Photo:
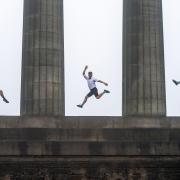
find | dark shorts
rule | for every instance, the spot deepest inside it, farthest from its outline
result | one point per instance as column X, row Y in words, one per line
column 94, row 92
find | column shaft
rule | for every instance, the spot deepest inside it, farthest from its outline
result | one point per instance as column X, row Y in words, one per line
column 143, row 59
column 42, row 91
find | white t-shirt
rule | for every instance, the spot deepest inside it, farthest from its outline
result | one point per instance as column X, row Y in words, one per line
column 91, row 82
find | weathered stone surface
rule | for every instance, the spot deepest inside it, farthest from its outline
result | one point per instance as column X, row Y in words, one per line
column 92, row 168
column 143, row 59
column 107, row 148
column 72, row 136
column 88, row 122
column 42, row 91
column 91, row 135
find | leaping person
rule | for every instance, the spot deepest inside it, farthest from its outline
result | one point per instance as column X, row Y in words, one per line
column 2, row 95
column 92, row 86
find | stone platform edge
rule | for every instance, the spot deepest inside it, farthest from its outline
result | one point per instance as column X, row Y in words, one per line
column 93, row 122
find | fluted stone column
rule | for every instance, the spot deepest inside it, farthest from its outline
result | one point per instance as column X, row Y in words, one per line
column 143, row 59
column 42, row 91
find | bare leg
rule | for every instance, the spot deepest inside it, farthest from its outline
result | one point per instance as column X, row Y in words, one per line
column 84, row 102
column 2, row 95
column 100, row 95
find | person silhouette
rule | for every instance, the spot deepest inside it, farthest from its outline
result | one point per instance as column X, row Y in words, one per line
column 2, row 95
column 92, row 86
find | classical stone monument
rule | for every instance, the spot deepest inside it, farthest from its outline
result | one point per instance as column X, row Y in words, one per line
column 43, row 144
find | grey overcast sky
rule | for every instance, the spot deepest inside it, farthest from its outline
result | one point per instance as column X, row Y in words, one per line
column 93, row 36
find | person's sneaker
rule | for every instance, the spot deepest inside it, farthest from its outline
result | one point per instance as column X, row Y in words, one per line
column 80, row 106
column 106, row 91
column 5, row 100
column 175, row 82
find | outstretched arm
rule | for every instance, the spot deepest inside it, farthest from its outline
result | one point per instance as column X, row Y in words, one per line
column 106, row 84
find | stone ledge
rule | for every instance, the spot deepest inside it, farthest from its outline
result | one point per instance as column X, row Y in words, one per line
column 136, row 161
column 89, row 122
column 108, row 148
column 90, row 135
column 77, row 136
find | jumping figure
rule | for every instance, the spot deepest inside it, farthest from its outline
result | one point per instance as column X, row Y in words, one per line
column 92, row 86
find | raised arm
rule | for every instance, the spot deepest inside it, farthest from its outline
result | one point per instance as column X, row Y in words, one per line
column 106, row 84
column 84, row 72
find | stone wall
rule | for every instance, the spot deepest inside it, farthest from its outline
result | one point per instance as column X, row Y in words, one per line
column 89, row 148
column 90, row 168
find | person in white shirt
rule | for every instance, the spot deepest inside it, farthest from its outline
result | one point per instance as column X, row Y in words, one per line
column 92, row 86
column 2, row 95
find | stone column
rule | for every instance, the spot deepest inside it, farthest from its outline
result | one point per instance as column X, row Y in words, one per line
column 143, row 59
column 42, row 91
